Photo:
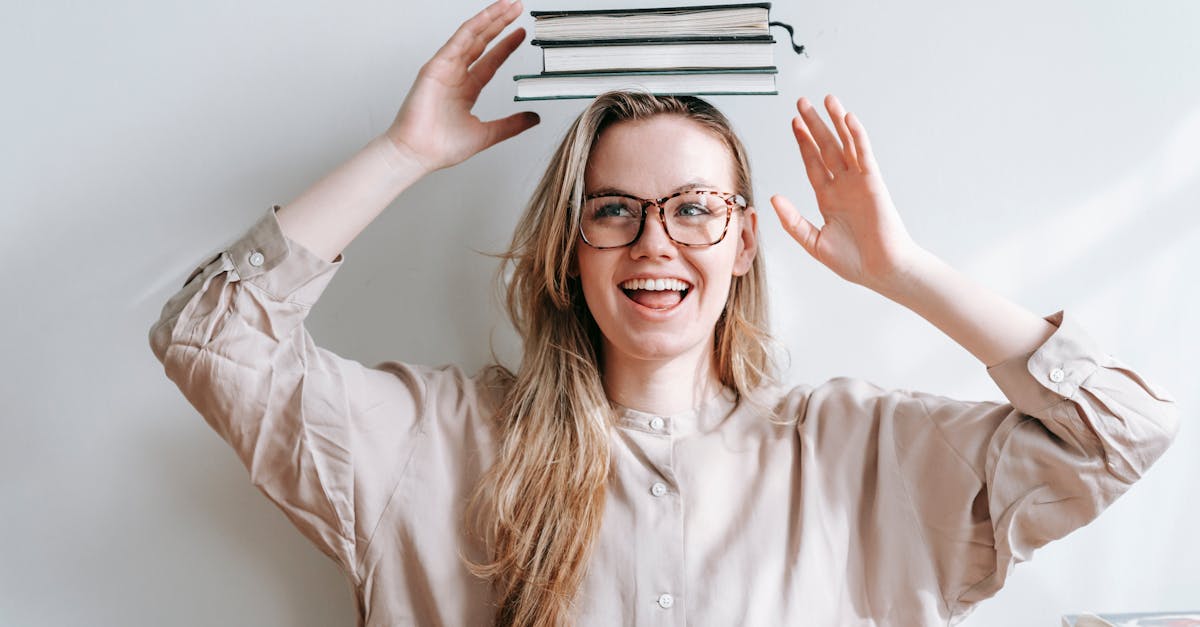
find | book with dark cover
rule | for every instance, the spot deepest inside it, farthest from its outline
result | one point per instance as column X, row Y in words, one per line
column 746, row 19
column 702, row 82
column 693, row 8
column 633, row 41
column 650, row 54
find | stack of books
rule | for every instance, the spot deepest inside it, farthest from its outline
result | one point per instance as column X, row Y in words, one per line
column 698, row 50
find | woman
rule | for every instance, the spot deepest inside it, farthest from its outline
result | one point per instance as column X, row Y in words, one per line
column 643, row 465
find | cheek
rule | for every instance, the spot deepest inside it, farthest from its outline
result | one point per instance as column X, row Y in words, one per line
column 719, row 269
column 720, row 279
column 593, row 274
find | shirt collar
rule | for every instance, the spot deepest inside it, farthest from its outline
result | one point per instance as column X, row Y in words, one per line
column 705, row 417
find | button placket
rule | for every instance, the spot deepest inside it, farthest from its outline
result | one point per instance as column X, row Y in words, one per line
column 660, row 563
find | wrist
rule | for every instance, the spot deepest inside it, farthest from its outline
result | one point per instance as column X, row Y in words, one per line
column 400, row 158
column 907, row 276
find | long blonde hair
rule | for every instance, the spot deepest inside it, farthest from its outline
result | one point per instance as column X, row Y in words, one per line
column 538, row 509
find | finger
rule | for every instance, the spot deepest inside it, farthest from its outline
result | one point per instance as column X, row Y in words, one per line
column 830, row 150
column 468, row 42
column 818, row 174
column 485, row 68
column 795, row 224
column 502, row 129
column 866, row 156
column 838, row 114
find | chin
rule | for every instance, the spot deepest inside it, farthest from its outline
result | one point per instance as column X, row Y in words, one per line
column 634, row 332
column 654, row 346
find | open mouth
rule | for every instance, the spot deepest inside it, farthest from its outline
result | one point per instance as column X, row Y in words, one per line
column 656, row 294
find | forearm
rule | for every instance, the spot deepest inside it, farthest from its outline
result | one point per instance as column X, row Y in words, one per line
column 326, row 217
column 990, row 327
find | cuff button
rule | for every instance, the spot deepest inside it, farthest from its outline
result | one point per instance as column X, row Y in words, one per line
column 256, row 259
column 1056, row 375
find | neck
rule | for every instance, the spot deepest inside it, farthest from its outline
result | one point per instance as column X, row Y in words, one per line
column 661, row 386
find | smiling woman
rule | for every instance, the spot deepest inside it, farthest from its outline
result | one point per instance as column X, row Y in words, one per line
column 601, row 330
column 643, row 465
column 650, row 334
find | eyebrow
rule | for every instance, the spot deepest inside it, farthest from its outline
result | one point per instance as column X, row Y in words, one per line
column 691, row 184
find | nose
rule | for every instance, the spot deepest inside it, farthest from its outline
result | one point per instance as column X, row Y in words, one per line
column 654, row 241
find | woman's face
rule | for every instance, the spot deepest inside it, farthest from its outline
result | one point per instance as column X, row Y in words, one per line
column 653, row 158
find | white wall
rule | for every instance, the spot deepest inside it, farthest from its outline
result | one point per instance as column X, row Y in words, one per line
column 1049, row 150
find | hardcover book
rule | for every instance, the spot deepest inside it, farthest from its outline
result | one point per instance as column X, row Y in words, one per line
column 703, row 82
column 748, row 19
column 648, row 54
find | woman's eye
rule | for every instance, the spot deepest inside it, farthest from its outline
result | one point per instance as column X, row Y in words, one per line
column 692, row 210
column 615, row 210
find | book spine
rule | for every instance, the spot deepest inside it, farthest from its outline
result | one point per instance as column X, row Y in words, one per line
column 712, row 8
column 696, row 71
column 620, row 41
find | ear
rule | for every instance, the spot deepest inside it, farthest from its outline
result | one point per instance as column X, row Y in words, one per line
column 747, row 242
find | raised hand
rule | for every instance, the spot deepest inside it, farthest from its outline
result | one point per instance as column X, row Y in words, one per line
column 863, row 239
column 435, row 124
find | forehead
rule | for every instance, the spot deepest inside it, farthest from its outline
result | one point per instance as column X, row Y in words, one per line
column 655, row 156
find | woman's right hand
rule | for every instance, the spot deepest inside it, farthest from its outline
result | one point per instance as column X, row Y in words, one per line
column 435, row 125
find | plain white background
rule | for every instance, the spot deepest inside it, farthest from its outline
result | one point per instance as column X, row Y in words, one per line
column 1051, row 151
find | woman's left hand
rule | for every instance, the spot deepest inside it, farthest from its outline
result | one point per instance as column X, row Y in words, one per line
column 863, row 239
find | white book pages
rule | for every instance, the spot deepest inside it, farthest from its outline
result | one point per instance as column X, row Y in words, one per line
column 666, row 24
column 657, row 56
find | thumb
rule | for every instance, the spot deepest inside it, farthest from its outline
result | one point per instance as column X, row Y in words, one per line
column 502, row 129
column 795, row 224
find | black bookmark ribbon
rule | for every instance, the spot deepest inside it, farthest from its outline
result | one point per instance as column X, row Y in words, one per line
column 791, row 37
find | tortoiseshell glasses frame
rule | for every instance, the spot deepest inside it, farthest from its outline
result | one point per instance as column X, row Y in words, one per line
column 732, row 200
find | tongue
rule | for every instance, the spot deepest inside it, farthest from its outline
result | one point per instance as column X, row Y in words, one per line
column 660, row 299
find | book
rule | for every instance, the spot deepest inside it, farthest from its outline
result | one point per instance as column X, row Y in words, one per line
column 1137, row 619
column 702, row 82
column 691, row 50
column 596, row 55
column 745, row 20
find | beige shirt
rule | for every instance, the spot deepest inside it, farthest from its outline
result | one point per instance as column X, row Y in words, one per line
column 875, row 506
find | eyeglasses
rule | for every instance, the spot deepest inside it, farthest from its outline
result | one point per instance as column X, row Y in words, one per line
column 693, row 217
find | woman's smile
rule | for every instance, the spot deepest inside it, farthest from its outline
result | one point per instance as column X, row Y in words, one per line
column 659, row 294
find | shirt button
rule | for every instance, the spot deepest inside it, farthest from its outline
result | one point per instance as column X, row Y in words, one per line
column 657, row 423
column 1056, row 375
column 256, row 259
column 665, row 601
column 658, row 489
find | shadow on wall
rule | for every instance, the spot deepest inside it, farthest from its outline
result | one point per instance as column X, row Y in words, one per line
column 1120, row 234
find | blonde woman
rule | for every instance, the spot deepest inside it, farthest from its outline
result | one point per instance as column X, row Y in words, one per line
column 643, row 466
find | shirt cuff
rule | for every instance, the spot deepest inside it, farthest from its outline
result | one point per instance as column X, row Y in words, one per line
column 278, row 265
column 1036, row 381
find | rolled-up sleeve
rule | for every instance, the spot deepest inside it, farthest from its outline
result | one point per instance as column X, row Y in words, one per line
column 992, row 482
column 324, row 438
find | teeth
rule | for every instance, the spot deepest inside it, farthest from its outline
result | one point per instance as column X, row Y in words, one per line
column 656, row 285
